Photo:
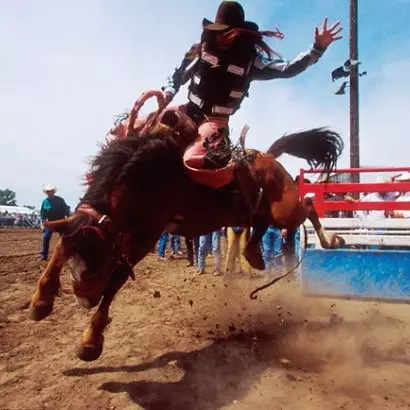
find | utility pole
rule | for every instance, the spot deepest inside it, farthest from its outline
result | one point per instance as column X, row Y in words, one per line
column 354, row 93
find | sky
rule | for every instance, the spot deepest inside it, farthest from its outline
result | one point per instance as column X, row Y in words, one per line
column 67, row 68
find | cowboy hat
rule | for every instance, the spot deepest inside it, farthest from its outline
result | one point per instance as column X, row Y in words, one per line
column 230, row 14
column 49, row 188
column 405, row 176
column 381, row 179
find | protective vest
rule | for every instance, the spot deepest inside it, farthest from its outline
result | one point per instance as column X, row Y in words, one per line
column 221, row 78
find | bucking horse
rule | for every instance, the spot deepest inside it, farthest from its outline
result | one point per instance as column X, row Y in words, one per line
column 138, row 186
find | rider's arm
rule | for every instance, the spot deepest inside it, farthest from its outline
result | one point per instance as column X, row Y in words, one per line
column 267, row 69
column 184, row 72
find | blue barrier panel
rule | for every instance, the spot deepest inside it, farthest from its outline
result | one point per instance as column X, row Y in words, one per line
column 364, row 274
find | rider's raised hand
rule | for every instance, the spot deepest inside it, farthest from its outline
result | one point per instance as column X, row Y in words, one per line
column 326, row 36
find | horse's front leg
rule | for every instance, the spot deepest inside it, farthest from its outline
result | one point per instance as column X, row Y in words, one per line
column 92, row 340
column 327, row 241
column 48, row 285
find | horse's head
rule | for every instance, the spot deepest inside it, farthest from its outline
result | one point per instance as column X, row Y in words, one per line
column 92, row 254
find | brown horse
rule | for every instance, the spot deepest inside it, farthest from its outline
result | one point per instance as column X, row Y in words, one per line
column 139, row 188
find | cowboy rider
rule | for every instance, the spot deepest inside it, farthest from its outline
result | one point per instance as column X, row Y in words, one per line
column 220, row 68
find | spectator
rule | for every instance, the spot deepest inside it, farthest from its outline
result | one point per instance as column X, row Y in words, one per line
column 404, row 197
column 376, row 197
column 52, row 208
column 162, row 245
column 176, row 248
column 272, row 248
column 208, row 243
column 237, row 237
column 192, row 247
column 175, row 245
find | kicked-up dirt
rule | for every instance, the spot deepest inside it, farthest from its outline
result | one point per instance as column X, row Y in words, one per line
column 181, row 341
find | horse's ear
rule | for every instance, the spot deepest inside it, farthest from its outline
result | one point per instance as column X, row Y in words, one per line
column 59, row 225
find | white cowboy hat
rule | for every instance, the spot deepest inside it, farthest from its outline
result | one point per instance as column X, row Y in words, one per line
column 49, row 188
column 405, row 176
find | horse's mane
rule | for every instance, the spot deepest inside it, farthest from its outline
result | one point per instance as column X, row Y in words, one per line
column 129, row 162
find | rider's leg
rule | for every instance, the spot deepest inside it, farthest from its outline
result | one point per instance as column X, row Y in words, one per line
column 194, row 156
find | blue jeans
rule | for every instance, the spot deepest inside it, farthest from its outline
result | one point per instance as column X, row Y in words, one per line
column 272, row 247
column 163, row 240
column 47, row 233
column 192, row 247
column 297, row 243
column 162, row 244
column 175, row 243
column 209, row 243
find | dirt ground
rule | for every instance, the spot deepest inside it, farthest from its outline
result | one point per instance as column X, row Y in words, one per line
column 203, row 344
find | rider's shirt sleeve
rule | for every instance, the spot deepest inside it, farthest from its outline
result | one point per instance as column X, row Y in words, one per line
column 184, row 72
column 45, row 208
column 267, row 69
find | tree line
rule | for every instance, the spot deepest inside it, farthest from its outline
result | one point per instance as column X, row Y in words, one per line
column 8, row 197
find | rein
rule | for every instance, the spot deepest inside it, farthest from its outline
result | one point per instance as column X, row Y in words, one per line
column 137, row 107
column 272, row 282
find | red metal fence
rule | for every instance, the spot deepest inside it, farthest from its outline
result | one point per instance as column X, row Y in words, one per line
column 320, row 191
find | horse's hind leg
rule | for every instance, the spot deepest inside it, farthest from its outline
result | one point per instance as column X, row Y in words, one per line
column 92, row 341
column 252, row 251
column 48, row 285
column 327, row 241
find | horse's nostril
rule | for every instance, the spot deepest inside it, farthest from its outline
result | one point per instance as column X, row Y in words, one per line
column 87, row 303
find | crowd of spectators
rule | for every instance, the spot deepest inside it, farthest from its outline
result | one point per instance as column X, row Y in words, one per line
column 226, row 247
column 18, row 220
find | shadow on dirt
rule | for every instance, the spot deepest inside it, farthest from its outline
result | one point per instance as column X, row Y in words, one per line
column 228, row 368
column 211, row 377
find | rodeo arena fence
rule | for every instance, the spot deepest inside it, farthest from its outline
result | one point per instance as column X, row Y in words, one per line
column 375, row 260
column 19, row 217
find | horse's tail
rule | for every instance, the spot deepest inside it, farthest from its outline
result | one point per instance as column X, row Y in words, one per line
column 320, row 147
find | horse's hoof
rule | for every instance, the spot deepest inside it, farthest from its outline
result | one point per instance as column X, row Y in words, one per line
column 89, row 353
column 40, row 312
column 338, row 242
column 255, row 259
